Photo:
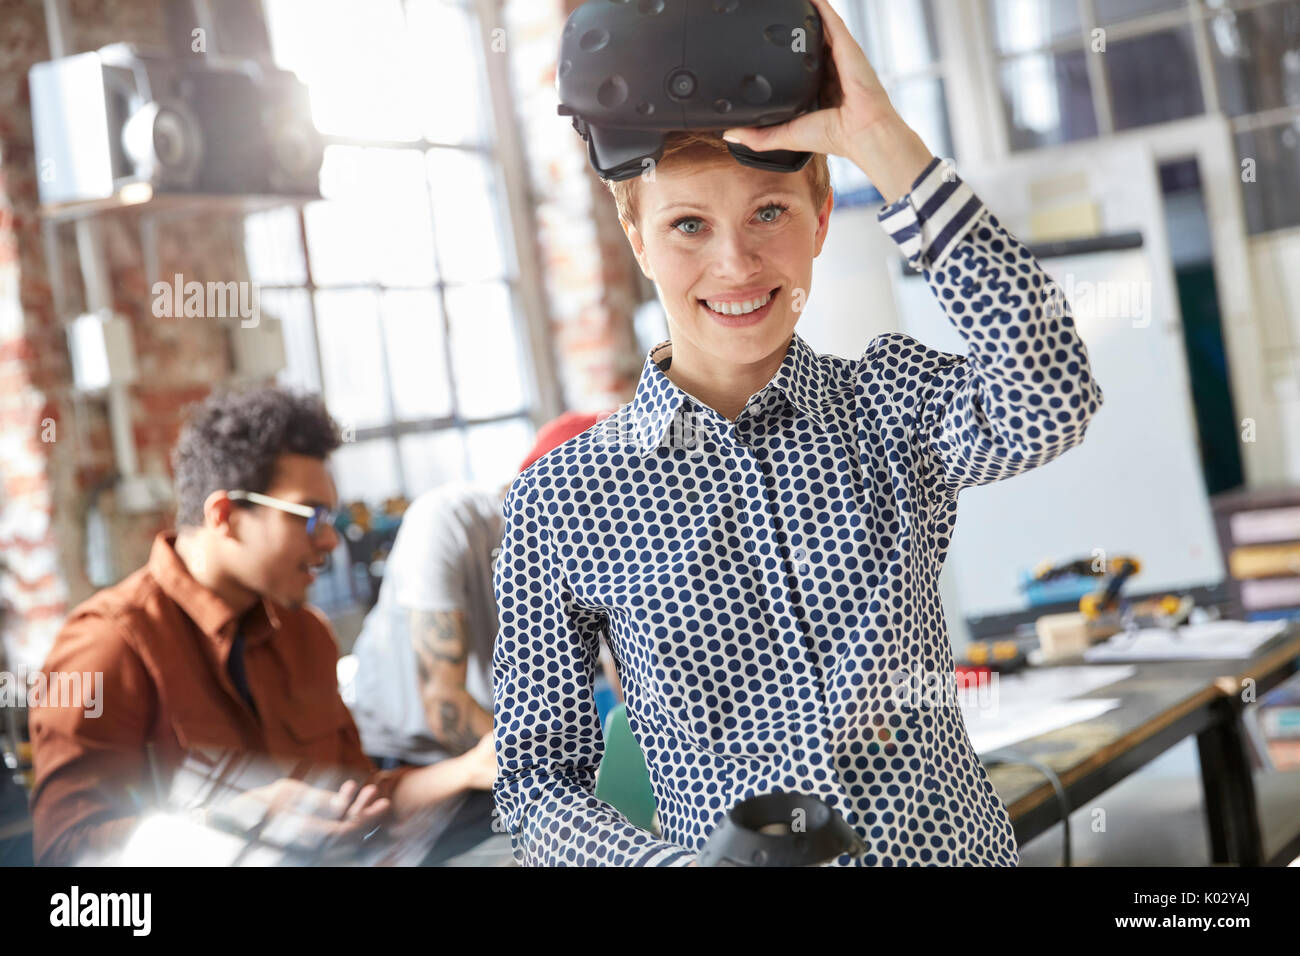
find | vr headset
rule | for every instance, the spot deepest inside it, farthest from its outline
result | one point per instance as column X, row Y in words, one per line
column 632, row 71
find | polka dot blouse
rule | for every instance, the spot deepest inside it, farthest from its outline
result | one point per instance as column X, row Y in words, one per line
column 769, row 586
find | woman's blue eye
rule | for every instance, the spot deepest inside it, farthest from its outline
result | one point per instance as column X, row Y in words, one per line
column 773, row 207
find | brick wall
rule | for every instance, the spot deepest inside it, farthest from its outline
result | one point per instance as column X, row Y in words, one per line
column 33, row 586
column 55, row 446
column 592, row 279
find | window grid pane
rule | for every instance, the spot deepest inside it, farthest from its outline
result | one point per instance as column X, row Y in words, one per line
column 1023, row 25
column 292, row 307
column 1254, row 50
column 458, row 119
column 899, row 35
column 379, row 350
column 1257, row 57
column 359, row 61
column 273, row 247
column 923, row 106
column 1119, row 11
column 366, row 471
column 1161, row 69
column 467, row 219
column 483, row 336
column 1047, row 99
column 432, row 458
column 376, row 223
column 496, row 450
column 352, row 357
column 417, row 355
column 1272, row 200
column 900, row 40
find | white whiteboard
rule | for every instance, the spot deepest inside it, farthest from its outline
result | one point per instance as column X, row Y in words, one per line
column 1134, row 486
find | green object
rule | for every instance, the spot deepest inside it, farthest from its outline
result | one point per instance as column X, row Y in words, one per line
column 622, row 779
column 1207, row 367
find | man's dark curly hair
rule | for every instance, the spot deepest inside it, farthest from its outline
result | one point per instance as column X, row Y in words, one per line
column 232, row 439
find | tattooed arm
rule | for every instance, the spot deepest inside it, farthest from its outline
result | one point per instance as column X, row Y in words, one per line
column 456, row 719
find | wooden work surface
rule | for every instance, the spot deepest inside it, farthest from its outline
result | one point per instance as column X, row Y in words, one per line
column 1154, row 699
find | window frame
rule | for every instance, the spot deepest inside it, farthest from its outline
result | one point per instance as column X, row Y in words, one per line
column 855, row 16
column 1197, row 14
column 520, row 276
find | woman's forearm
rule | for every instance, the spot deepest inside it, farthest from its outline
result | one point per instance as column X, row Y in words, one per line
column 1023, row 393
column 892, row 156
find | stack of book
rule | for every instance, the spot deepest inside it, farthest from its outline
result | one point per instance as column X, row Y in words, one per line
column 1259, row 534
column 1279, row 722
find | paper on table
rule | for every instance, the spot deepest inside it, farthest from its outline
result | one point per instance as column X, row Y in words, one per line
column 1210, row 641
column 1004, row 710
column 1051, row 684
column 1007, row 724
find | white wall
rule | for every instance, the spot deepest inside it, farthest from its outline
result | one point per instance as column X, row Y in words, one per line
column 852, row 300
column 1275, row 270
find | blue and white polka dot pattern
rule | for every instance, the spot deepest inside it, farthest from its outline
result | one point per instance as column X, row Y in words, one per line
column 769, row 586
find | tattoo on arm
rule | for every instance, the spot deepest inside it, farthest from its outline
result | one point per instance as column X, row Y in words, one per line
column 456, row 732
column 438, row 637
column 455, row 719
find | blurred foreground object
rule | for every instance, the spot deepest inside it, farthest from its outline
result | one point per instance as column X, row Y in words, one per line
column 230, row 808
column 780, row 829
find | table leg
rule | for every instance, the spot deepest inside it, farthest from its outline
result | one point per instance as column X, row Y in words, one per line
column 1231, row 811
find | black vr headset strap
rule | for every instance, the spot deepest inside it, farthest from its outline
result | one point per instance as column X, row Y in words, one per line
column 776, row 160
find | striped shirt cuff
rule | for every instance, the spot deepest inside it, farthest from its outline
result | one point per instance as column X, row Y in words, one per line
column 667, row 855
column 930, row 220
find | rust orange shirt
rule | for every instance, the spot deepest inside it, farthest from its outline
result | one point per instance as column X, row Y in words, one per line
column 162, row 642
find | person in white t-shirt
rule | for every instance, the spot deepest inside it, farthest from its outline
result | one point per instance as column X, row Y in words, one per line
column 424, row 682
column 423, row 685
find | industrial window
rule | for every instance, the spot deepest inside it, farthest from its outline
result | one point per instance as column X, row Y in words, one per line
column 899, row 38
column 1072, row 69
column 398, row 290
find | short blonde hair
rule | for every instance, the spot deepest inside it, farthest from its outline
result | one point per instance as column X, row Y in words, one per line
column 705, row 148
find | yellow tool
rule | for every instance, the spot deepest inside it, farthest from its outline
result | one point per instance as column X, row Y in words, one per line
column 1103, row 613
column 986, row 652
column 1116, row 572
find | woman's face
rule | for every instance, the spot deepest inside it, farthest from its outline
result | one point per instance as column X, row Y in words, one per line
column 725, row 233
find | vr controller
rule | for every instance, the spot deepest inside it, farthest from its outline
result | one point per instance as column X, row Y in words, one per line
column 631, row 71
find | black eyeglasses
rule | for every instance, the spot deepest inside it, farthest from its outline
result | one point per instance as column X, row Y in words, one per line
column 317, row 517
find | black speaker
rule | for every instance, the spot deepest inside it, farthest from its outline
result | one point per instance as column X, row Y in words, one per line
column 120, row 115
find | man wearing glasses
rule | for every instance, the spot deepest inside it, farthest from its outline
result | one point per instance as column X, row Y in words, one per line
column 212, row 647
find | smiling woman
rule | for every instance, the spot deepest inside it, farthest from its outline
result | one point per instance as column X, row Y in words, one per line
column 763, row 590
column 730, row 248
